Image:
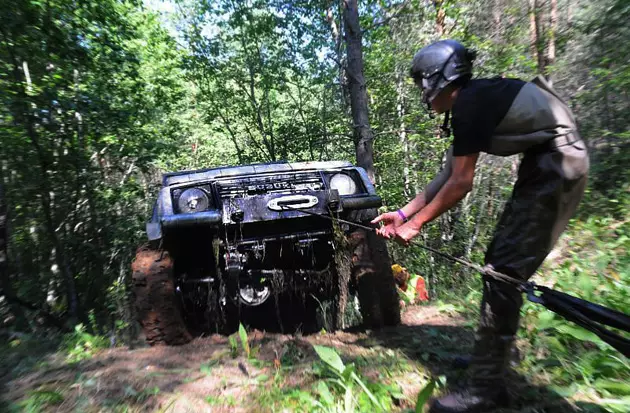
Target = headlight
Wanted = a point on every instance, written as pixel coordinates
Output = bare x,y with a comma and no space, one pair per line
344,184
193,200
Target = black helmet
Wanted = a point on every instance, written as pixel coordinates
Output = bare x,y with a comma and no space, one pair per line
439,64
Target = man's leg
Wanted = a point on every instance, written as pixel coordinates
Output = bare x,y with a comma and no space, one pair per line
499,316
541,205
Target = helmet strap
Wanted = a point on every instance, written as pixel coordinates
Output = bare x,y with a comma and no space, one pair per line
445,128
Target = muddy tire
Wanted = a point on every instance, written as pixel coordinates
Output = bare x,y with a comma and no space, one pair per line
371,273
156,304
375,283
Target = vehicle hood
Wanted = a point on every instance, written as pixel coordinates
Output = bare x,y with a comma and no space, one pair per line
231,171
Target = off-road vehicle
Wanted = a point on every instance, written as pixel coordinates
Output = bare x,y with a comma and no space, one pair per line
251,244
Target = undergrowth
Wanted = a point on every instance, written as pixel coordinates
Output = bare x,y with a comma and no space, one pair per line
596,267
593,263
338,387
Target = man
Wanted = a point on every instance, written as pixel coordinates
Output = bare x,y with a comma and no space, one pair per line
501,117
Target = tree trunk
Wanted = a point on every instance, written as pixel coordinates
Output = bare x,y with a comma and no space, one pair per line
497,12
363,135
375,278
535,35
5,281
440,17
402,134
533,39
553,27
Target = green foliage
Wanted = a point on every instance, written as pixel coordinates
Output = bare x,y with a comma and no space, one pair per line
38,399
80,345
597,269
89,111
258,79
232,341
228,400
338,387
206,368
341,382
424,395
242,333
249,351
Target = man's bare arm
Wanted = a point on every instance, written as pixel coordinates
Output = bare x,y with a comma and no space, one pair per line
456,187
426,196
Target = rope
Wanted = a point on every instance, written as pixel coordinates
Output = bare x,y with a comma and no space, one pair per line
487,270
583,313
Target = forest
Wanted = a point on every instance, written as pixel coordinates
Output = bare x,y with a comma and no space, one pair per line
100,98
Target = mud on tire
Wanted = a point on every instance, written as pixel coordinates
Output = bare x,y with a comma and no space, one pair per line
156,304
372,274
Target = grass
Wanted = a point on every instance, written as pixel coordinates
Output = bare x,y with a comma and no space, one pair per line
576,362
329,384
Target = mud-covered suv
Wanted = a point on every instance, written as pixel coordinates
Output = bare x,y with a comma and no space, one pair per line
247,244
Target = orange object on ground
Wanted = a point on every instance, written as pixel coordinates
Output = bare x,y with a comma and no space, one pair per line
401,275
421,290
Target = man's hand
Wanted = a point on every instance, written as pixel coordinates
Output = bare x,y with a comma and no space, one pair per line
391,221
405,233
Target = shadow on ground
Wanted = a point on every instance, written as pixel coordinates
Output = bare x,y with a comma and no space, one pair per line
436,346
21,354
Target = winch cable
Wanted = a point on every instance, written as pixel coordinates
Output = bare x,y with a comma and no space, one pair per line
484,270
588,315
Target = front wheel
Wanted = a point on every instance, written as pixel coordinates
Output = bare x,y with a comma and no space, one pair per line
375,283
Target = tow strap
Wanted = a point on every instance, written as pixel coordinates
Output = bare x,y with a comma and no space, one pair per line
590,316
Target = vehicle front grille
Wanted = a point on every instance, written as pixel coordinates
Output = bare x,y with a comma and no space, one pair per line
260,185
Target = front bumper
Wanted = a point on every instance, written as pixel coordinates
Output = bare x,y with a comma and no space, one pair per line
216,217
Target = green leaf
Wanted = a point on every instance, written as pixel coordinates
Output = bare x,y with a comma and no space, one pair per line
367,391
244,341
398,395
348,400
545,320
581,334
564,391
262,378
329,356
348,371
324,392
233,346
585,285
555,344
47,396
616,405
613,386
424,395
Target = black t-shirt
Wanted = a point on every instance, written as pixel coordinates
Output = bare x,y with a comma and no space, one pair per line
479,108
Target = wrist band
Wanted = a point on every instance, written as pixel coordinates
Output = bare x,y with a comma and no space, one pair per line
402,215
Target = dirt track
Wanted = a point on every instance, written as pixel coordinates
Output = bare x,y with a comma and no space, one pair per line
203,376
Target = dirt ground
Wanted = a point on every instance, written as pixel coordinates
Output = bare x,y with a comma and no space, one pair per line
206,375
